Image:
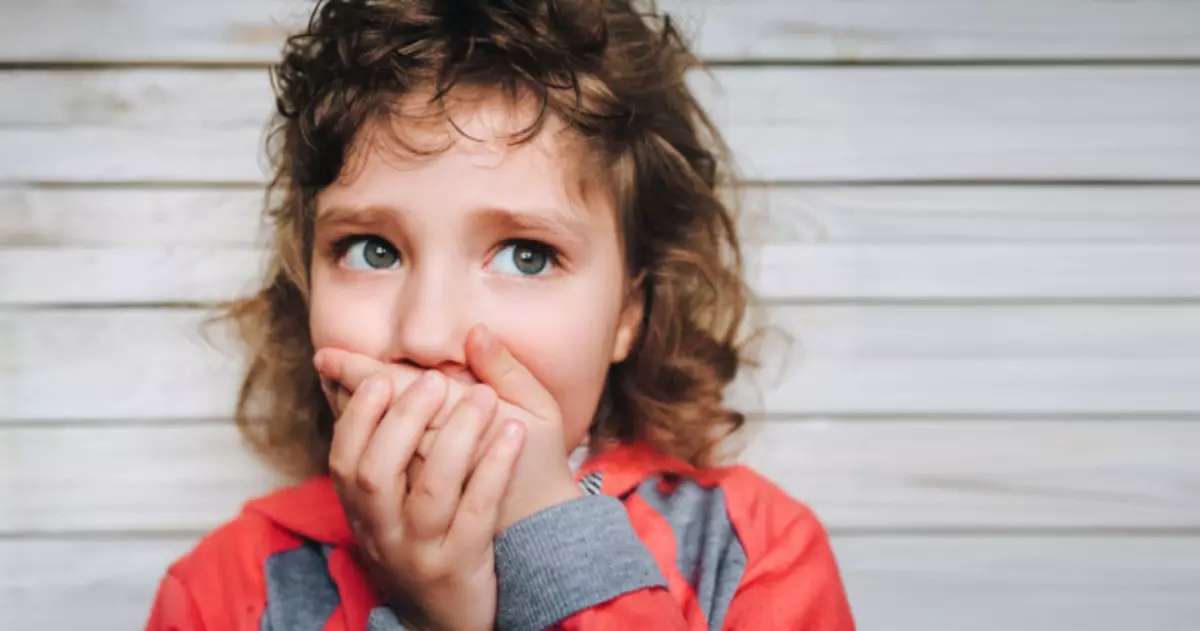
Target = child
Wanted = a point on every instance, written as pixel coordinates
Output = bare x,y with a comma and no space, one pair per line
497,239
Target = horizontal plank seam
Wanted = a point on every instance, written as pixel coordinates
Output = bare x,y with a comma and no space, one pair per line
711,62
260,186
936,416
792,182
1016,532
1099,301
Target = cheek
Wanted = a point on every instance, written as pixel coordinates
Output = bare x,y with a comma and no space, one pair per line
342,318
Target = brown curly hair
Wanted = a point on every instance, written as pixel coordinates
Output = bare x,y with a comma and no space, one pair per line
616,77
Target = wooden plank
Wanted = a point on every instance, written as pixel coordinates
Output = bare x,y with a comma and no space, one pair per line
155,217
143,478
790,124
1091,214
917,475
230,216
974,271
252,31
119,364
40,275
98,584
138,98
1105,359
1030,583
144,275
901,583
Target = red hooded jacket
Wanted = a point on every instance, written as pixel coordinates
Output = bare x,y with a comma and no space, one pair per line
655,544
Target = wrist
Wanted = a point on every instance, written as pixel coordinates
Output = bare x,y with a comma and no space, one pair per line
549,495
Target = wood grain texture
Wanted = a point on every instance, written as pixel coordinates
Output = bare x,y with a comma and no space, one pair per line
901,583
1044,583
150,364
230,216
40,275
990,268
878,475
783,124
975,272
252,31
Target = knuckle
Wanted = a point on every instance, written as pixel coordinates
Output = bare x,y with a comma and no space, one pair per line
478,509
367,478
341,470
505,370
433,565
424,490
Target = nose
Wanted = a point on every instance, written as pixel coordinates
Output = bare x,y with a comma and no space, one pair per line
432,322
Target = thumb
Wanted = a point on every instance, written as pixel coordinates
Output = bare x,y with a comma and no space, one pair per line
495,366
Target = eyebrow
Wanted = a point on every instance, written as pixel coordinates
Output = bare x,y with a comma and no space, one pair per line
553,223
365,216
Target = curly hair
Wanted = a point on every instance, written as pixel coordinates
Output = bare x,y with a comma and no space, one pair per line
615,76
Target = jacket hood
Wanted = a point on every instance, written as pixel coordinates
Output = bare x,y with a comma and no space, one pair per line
310,509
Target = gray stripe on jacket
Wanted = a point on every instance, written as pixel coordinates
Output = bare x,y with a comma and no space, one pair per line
708,554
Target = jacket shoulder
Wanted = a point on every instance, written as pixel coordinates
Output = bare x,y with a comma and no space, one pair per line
750,491
224,573
762,511
753,511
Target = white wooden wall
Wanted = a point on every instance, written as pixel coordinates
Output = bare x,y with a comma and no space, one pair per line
981,218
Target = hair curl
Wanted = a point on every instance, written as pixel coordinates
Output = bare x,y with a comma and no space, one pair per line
616,77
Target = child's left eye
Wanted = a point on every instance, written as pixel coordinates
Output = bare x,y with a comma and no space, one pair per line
368,252
525,258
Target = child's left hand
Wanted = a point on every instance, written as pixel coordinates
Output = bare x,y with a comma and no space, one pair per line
542,477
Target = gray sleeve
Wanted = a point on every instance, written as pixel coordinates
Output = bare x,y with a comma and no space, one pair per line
566,559
384,619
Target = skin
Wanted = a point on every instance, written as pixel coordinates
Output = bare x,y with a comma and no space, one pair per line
484,270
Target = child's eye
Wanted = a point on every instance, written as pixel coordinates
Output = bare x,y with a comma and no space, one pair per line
370,253
525,258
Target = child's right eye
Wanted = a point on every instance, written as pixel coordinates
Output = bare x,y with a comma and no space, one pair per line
369,253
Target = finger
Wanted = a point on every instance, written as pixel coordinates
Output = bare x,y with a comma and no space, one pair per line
493,364
455,391
434,498
343,397
343,372
354,427
350,370
426,446
474,524
380,474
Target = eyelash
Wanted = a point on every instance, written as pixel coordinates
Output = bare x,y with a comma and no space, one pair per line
343,245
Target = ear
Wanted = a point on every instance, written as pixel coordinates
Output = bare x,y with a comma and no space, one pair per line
629,323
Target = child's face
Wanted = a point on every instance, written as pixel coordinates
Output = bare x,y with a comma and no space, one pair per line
411,252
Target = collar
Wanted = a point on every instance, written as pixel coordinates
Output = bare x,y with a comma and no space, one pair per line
312,510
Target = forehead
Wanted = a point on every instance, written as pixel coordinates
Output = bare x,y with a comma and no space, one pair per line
471,149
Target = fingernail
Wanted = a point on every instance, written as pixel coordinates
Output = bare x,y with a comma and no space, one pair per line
483,338
513,429
428,379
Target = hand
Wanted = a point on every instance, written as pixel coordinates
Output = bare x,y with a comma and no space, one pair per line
428,540
345,372
543,476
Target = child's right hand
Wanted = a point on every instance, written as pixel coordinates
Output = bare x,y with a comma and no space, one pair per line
427,540
344,372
